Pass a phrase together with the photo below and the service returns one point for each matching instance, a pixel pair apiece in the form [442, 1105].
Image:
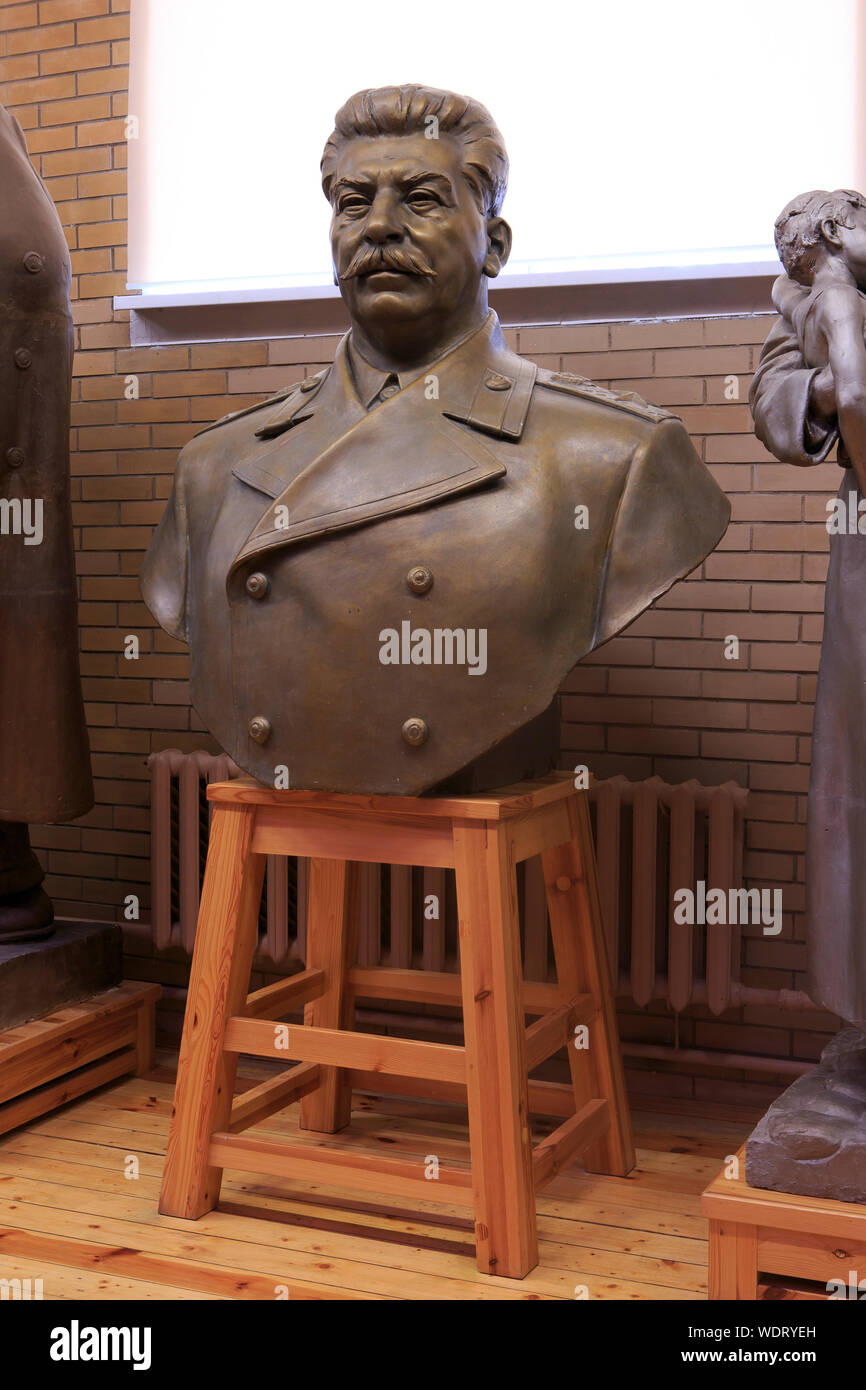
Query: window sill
[580, 296]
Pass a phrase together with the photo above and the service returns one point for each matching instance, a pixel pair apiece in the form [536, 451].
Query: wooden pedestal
[756, 1233]
[73, 1049]
[482, 837]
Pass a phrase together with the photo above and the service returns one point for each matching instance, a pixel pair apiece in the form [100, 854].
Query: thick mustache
[372, 258]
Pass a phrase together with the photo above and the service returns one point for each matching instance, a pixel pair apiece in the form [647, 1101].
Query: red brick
[608, 366]
[564, 337]
[715, 714]
[579, 709]
[25, 65]
[701, 361]
[303, 351]
[47, 89]
[106, 80]
[738, 328]
[767, 627]
[17, 16]
[704, 595]
[784, 656]
[656, 333]
[752, 567]
[623, 681]
[189, 382]
[75, 59]
[55, 11]
[96, 30]
[681, 742]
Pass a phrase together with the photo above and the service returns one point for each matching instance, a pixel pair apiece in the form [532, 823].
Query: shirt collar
[369, 380]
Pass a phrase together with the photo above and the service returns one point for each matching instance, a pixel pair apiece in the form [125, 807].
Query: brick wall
[660, 699]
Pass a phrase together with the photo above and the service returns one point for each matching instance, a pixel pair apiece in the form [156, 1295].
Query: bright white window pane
[639, 134]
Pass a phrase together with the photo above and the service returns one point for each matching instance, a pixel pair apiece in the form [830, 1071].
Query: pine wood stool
[482, 837]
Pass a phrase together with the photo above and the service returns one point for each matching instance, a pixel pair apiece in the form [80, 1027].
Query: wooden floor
[74, 1213]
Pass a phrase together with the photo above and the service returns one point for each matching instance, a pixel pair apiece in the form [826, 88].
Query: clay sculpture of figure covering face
[805, 397]
[385, 571]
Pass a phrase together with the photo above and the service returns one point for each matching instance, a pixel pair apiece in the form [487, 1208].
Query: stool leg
[581, 968]
[733, 1261]
[225, 944]
[497, 1094]
[332, 939]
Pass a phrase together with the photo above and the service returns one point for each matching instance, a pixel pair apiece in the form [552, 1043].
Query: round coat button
[259, 729]
[420, 579]
[310, 383]
[15, 456]
[415, 731]
[23, 357]
[33, 262]
[257, 585]
[495, 382]
[388, 391]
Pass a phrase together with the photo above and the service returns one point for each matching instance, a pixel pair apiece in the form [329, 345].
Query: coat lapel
[300, 429]
[329, 464]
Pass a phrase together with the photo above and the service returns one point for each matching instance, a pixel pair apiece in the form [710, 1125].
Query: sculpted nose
[383, 222]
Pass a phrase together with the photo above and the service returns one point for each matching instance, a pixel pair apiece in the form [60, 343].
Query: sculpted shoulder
[241, 427]
[581, 388]
[573, 406]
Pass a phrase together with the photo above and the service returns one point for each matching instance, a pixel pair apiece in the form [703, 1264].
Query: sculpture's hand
[822, 397]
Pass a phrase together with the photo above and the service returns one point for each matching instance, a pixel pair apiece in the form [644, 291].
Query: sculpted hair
[407, 111]
[798, 227]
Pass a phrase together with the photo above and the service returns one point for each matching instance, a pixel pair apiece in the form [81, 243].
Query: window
[642, 137]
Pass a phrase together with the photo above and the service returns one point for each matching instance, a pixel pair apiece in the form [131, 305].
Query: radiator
[651, 838]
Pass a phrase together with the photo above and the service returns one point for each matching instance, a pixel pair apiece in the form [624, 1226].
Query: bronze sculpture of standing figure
[44, 756]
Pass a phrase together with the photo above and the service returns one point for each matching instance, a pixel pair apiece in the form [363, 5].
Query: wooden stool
[758, 1236]
[482, 837]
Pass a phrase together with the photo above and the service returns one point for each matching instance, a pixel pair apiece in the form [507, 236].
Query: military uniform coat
[44, 756]
[296, 532]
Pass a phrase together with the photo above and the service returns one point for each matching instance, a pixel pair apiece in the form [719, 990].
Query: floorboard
[79, 1190]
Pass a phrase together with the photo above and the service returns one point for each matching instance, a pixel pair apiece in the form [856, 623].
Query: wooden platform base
[755, 1234]
[74, 1049]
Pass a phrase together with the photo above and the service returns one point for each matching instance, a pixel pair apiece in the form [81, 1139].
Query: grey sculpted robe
[836, 821]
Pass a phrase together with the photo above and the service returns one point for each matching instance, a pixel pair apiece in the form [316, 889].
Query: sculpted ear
[830, 231]
[498, 246]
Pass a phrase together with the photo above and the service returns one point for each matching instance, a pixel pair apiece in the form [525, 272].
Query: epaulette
[248, 409]
[300, 391]
[629, 401]
[295, 406]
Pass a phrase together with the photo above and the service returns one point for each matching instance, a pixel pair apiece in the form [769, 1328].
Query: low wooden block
[757, 1234]
[51, 1060]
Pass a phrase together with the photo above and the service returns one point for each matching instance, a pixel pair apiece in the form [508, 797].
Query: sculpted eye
[352, 203]
[422, 197]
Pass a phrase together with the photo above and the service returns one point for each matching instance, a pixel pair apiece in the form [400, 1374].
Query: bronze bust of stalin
[385, 572]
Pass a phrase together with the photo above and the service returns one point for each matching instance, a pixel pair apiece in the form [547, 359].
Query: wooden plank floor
[79, 1189]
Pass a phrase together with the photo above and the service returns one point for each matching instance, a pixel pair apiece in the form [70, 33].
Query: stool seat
[482, 837]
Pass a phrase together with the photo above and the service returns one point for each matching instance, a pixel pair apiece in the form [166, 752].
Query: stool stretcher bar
[273, 1094]
[335, 1047]
[283, 996]
[404, 1177]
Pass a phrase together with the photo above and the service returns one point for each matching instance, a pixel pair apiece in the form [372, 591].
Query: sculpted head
[415, 178]
[818, 225]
